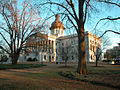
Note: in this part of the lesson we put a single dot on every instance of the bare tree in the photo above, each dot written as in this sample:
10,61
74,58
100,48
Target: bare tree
75,14
17,26
101,49
65,52
98,55
65,55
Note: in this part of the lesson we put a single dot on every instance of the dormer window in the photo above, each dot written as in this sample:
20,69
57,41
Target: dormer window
57,31
61,32
52,31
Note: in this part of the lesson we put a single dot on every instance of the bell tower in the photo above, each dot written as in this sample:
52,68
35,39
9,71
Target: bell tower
57,27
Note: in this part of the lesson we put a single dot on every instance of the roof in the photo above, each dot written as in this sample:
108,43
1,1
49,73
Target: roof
57,24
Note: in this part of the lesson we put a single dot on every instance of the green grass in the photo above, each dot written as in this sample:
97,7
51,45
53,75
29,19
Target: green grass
41,75
19,66
104,70
99,78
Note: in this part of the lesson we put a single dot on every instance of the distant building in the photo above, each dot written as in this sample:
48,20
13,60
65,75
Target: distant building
114,53
55,47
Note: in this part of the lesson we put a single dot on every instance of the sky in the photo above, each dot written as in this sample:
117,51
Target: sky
103,12
108,11
95,17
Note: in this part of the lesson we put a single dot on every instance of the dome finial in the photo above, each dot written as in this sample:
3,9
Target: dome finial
57,17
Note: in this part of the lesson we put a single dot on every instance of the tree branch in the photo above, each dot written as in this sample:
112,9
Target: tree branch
4,39
108,18
86,8
60,6
4,49
109,31
108,2
73,9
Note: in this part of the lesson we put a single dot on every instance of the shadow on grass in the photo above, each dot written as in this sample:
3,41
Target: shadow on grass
98,66
20,66
65,67
3,79
72,77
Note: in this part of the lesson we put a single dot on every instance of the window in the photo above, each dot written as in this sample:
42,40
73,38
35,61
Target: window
66,49
52,57
93,49
56,58
56,50
62,57
61,32
72,42
62,44
52,31
62,50
72,57
91,57
45,57
67,43
49,42
57,31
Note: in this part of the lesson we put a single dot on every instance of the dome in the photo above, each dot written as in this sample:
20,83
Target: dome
57,24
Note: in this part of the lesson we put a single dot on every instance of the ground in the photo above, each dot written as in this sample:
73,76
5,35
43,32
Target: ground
104,77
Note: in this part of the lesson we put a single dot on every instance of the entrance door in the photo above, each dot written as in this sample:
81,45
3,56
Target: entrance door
49,58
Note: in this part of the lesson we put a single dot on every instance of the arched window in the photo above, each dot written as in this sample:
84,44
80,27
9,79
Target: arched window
72,58
91,56
44,57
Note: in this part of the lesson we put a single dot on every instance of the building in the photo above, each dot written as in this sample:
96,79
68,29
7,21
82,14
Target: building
114,53
55,47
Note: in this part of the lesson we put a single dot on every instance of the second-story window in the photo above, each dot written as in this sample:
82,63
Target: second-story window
56,50
56,58
72,57
62,44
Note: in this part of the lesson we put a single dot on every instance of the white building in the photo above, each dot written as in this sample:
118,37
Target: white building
55,47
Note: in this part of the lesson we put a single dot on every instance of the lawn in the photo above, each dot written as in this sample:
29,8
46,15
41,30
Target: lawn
105,77
19,66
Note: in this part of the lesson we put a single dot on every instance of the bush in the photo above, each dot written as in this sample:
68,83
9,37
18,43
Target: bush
4,58
29,59
32,60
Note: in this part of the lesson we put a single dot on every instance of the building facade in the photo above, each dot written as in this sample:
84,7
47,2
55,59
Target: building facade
114,53
55,47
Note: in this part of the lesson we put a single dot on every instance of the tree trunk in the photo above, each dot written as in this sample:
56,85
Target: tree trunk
14,58
81,40
96,62
97,58
65,63
81,69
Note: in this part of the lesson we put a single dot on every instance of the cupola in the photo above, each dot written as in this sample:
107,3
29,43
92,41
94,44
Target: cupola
57,27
